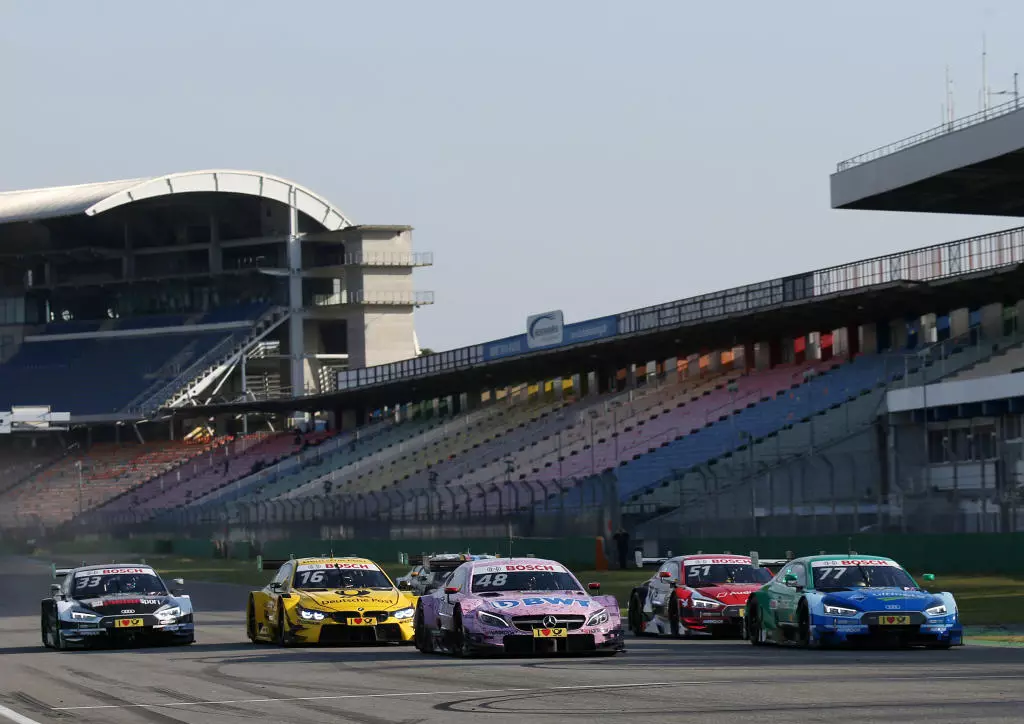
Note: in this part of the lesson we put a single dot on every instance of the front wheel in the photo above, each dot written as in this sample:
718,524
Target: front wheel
462,646
673,616
282,636
44,629
804,638
755,627
635,616
421,636
250,621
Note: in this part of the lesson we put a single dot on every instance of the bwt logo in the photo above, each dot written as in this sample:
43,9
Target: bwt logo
544,330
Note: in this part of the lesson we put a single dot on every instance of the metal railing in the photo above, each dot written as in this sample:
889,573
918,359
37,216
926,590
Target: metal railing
957,125
363,297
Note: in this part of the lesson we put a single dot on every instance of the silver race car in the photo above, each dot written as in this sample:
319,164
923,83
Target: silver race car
114,604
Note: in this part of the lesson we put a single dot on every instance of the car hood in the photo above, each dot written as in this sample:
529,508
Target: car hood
352,598
729,593
125,604
883,599
527,602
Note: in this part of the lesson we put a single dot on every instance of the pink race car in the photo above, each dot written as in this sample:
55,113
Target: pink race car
517,606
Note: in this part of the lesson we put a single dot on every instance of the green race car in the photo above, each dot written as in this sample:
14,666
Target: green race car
848,598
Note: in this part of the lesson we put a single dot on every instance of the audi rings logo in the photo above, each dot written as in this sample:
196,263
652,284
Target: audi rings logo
127,610
549,622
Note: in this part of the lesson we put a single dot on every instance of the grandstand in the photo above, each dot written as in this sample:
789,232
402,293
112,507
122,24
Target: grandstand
879,395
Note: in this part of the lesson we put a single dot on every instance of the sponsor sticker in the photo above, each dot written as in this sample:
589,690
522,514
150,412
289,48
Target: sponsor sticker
838,563
519,568
337,566
730,561
128,623
550,633
111,572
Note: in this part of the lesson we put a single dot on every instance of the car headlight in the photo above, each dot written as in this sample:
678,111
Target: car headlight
702,603
307,615
168,613
404,613
939,610
491,620
83,616
839,611
598,618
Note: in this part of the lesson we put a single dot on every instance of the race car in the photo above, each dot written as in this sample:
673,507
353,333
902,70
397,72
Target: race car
114,604
430,572
835,599
696,595
329,601
517,606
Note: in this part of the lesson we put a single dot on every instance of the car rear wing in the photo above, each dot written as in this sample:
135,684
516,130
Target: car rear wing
756,559
60,572
644,562
270,564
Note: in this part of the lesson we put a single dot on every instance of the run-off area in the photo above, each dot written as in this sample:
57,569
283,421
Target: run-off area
224,678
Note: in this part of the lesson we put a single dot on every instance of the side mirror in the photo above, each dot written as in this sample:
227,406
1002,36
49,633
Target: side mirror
404,586
594,586
178,581
790,579
664,574
450,590
928,577
414,574
55,589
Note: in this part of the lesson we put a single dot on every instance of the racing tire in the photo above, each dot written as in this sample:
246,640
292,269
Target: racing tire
44,630
461,645
803,631
942,645
635,615
282,637
755,627
673,617
58,638
250,621
421,637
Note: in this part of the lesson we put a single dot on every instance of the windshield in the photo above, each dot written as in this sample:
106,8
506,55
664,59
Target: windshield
340,578
87,586
525,581
716,574
839,575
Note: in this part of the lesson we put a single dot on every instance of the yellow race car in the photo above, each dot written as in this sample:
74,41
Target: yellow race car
329,601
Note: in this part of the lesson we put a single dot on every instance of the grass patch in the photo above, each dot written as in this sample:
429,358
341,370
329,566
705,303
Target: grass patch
983,600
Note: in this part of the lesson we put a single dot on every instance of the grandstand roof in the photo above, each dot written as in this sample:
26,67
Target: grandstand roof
95,198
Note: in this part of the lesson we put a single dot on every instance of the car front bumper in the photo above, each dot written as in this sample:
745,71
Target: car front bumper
514,641
104,633
919,632
333,632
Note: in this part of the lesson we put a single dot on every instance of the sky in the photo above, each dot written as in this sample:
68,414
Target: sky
580,155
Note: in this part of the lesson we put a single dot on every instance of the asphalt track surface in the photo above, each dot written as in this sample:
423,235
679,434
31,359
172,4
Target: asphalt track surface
224,678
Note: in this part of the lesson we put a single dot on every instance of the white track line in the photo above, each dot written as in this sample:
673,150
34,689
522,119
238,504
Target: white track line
534,690
14,716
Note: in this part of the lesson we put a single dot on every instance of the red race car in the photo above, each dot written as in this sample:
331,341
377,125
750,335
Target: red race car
701,594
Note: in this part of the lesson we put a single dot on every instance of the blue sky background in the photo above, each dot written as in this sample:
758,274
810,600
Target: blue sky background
578,155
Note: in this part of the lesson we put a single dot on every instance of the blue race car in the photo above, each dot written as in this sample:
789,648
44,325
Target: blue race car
837,599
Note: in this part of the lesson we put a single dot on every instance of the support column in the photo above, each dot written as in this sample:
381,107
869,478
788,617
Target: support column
826,345
763,356
216,256
867,339
992,320
774,352
296,333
